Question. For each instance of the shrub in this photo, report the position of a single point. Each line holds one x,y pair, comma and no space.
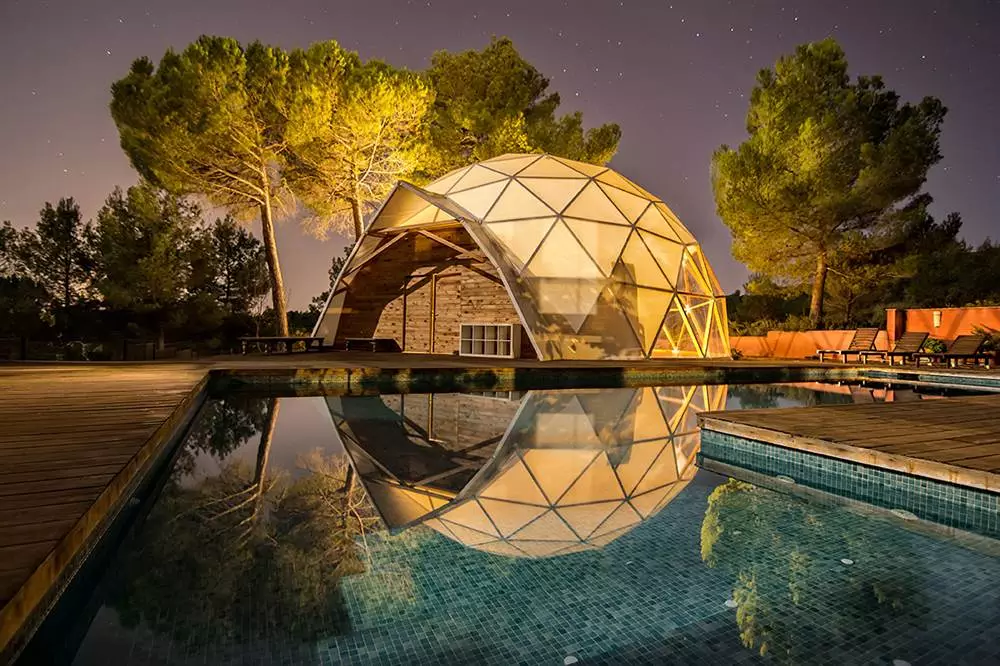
935,346
992,342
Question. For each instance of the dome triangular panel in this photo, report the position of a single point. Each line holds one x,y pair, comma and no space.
632,206
479,200
517,202
593,204
476,176
555,192
520,238
510,165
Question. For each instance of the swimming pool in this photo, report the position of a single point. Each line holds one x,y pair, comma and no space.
535,527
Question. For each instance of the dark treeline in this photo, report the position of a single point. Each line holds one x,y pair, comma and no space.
932,268
148,267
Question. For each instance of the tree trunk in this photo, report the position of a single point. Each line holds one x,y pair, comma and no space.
359,218
818,289
161,339
263,454
274,268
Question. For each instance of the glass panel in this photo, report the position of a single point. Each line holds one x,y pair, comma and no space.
570,298
652,221
470,514
560,255
649,420
630,204
478,200
331,318
442,184
678,335
642,266
515,484
520,239
603,242
550,527
667,254
556,192
640,459
593,204
610,177
584,519
646,504
597,483
401,206
511,165
679,229
555,470
547,167
718,340
466,535
661,472
651,307
622,519
517,202
610,413
691,280
582,167
476,176
509,517
605,333
685,450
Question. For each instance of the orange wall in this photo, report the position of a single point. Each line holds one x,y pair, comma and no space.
797,344
954,321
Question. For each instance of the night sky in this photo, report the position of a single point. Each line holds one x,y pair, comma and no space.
675,75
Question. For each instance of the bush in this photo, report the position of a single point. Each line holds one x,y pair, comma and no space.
992,343
935,346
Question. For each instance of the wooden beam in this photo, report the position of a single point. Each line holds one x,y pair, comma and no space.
462,251
377,252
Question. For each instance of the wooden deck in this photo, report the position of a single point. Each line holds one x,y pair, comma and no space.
956,440
73,441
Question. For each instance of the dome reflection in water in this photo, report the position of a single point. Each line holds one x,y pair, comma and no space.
541,474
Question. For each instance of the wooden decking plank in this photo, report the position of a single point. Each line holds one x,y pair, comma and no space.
955,433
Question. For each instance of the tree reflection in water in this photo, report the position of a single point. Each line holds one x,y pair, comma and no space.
246,553
794,594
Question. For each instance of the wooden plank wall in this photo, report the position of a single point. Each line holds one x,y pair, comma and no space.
422,270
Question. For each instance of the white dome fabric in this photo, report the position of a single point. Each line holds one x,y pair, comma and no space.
596,266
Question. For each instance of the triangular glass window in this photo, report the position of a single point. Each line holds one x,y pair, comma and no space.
593,204
517,202
477,176
629,204
520,239
512,165
603,242
560,255
480,199
555,192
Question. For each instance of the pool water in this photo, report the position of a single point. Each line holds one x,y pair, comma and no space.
544,527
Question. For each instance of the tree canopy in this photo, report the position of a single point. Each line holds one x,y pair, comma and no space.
494,101
826,168
212,120
354,139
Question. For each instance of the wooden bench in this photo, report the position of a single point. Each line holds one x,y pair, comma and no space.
272,343
371,344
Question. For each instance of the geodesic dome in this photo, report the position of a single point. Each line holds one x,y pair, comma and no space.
596,266
574,469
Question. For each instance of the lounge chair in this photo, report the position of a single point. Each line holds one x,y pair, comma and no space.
904,349
863,340
962,348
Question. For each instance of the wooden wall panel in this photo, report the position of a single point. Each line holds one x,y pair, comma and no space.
466,290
